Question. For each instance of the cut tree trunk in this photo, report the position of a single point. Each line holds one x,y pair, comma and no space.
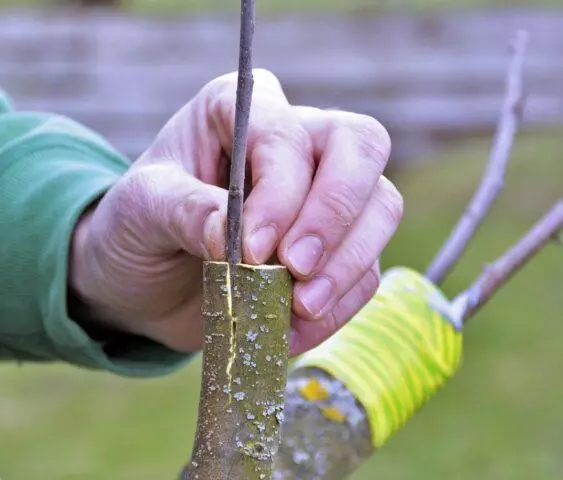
244,372
327,433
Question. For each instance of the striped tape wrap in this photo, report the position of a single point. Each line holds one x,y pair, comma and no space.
395,353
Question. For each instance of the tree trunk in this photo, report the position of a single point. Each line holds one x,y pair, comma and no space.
244,372
326,434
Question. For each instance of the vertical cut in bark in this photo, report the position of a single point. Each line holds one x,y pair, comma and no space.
244,372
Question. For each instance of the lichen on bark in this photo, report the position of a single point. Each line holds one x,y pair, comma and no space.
326,434
244,371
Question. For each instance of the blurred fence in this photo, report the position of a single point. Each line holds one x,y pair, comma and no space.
426,77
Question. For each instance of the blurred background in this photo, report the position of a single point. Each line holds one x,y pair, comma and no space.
433,73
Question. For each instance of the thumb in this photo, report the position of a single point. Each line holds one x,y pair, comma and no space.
177,211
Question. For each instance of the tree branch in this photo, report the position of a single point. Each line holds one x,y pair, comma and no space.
500,271
493,178
238,157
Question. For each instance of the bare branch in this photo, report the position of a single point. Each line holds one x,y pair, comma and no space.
498,273
493,179
242,115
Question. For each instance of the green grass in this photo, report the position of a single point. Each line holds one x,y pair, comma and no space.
500,418
273,6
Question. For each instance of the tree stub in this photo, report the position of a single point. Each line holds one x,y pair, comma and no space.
244,371
326,434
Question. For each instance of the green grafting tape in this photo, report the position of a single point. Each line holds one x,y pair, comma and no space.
395,353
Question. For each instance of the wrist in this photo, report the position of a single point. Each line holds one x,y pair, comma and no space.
77,268
80,301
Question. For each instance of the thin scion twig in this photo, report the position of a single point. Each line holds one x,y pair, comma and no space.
493,178
499,272
238,157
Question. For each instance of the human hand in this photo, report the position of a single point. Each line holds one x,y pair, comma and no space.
317,200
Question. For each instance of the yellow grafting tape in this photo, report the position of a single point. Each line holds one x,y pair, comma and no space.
395,353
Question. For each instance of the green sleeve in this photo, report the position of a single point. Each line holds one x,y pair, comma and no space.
51,170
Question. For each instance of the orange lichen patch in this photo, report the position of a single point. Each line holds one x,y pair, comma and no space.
314,391
333,414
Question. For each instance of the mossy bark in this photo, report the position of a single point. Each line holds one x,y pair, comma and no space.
326,434
244,372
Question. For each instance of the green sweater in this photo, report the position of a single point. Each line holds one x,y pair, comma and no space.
51,169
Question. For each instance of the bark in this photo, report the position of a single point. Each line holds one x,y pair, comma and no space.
327,432
244,372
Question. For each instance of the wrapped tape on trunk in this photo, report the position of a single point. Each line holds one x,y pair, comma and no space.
395,353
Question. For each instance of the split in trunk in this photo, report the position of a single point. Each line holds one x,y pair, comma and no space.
244,371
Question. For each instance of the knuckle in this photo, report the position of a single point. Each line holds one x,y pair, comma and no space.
359,255
335,320
373,279
222,105
226,81
147,191
342,202
315,113
133,191
392,201
270,115
283,131
179,218
219,96
265,78
130,202
341,314
368,288
374,139
266,83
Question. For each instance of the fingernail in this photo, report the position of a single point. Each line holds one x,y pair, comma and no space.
305,253
213,247
261,243
315,295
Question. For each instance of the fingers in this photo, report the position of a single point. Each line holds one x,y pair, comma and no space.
280,154
357,253
286,145
306,335
353,151
163,209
